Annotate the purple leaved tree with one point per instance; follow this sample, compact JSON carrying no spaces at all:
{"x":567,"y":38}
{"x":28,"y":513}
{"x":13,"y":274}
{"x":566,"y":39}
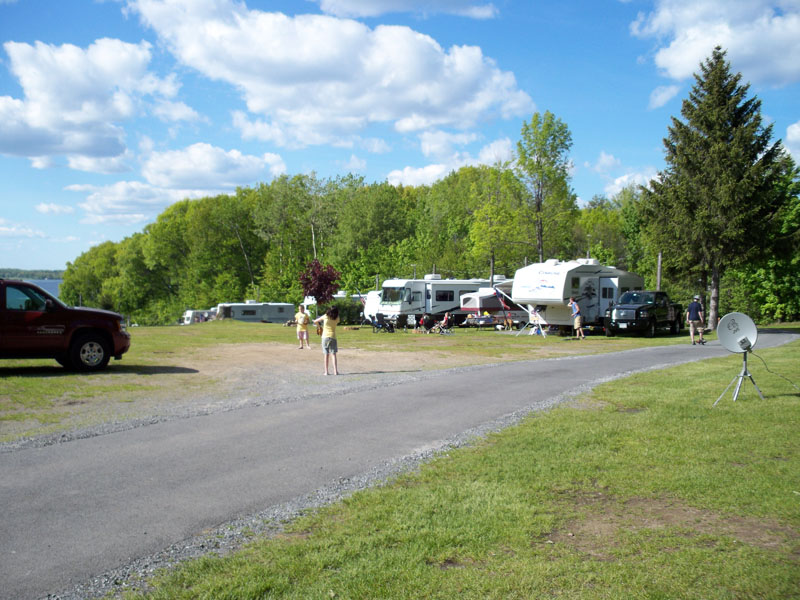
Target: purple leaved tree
{"x":320,"y":282}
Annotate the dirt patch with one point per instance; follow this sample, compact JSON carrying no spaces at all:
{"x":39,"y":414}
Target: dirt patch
{"x":605,"y":520}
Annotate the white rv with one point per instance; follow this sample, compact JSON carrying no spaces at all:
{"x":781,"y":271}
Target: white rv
{"x":433,"y":295}
{"x":259,"y":312}
{"x":372,"y":304}
{"x":545,"y":288}
{"x":489,"y":300}
{"x":198,"y":316}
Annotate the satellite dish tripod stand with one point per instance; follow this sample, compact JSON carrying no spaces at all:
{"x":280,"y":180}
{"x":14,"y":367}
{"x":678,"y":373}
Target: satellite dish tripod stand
{"x":744,"y":373}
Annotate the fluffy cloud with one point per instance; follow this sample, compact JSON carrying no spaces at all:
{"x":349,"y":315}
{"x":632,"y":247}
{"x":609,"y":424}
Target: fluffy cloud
{"x":316,"y":79}
{"x":642,"y":177}
{"x":793,"y":140}
{"x":127,"y":202}
{"x":15,"y":230}
{"x":193,"y":172}
{"x":491,"y":154}
{"x":605,"y":163}
{"x":374,"y":8}
{"x":74,"y":100}
{"x":762,"y":37}
{"x":54,"y":209}
{"x":663,"y":94}
{"x":204,"y":166}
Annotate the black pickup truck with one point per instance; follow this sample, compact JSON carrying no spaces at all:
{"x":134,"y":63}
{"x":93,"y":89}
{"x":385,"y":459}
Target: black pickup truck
{"x":643,"y":312}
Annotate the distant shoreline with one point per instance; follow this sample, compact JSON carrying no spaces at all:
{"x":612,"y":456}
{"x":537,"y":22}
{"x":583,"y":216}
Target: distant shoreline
{"x":31,"y":274}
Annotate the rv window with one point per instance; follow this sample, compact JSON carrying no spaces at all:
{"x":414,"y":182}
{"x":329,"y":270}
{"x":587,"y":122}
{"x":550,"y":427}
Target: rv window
{"x":280,"y":309}
{"x":248,"y":313}
{"x":444,"y":295}
{"x":392,"y":295}
{"x":576,"y":283}
{"x":608,"y":292}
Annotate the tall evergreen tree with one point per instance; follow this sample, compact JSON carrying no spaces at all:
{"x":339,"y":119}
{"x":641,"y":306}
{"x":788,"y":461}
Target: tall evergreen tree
{"x":715,"y":204}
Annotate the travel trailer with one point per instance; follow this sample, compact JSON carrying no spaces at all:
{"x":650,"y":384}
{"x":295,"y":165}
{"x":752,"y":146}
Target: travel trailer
{"x":401,"y":298}
{"x":489,"y":300}
{"x":372,"y":304}
{"x":259,"y":312}
{"x":198,"y":316}
{"x":545,"y":289}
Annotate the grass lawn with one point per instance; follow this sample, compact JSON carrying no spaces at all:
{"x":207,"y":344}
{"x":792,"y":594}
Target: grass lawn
{"x":638,"y":490}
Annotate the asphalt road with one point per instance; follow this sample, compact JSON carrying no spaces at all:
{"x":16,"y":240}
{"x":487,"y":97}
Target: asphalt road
{"x":75,"y":510}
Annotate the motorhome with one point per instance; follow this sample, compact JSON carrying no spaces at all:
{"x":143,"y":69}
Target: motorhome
{"x":401,"y":298}
{"x":545,"y":289}
{"x":259,"y":312}
{"x":372,"y":304}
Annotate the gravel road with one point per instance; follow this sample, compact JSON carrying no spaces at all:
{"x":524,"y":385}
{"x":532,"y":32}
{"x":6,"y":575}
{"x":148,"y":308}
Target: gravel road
{"x":93,"y":511}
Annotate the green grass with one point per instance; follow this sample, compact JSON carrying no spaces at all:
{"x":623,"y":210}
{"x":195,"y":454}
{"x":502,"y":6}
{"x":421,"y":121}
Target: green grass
{"x":641,"y":489}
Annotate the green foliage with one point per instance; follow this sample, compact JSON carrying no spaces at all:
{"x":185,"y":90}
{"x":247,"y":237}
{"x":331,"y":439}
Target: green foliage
{"x":725,"y":184}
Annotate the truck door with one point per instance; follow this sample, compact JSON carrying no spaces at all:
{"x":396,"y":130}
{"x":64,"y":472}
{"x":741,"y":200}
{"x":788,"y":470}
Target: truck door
{"x":27,"y":326}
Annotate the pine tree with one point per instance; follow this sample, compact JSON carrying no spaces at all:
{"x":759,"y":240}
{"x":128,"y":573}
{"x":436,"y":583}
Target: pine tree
{"x":714,"y":206}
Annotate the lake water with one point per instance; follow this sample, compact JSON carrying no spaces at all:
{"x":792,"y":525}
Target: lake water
{"x":48,"y":285}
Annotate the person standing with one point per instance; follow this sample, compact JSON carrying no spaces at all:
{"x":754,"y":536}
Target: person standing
{"x":694,"y":315}
{"x":302,"y":320}
{"x":577,"y":320}
{"x":329,"y":345}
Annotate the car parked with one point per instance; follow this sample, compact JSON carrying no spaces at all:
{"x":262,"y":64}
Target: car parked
{"x":34,"y":324}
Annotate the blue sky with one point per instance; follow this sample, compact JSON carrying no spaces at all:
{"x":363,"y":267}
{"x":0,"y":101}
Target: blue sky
{"x":112,"y":110}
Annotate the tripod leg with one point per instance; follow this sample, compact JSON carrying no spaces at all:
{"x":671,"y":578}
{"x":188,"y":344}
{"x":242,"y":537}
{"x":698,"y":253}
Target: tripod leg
{"x":738,"y":387}
{"x":754,"y":385}
{"x":725,"y":390}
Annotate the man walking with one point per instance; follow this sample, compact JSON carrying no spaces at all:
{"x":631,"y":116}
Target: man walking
{"x":694,"y":315}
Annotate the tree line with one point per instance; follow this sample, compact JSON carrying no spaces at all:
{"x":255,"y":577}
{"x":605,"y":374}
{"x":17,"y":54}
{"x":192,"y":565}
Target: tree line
{"x":724,"y":216}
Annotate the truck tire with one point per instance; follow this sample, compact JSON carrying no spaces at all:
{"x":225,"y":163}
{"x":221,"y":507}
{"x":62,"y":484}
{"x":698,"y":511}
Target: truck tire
{"x":89,"y":352}
{"x":609,"y":332}
{"x":674,"y":326}
{"x":651,"y":329}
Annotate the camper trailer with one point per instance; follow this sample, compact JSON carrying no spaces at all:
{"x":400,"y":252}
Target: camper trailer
{"x":500,"y":308}
{"x":545,"y":288}
{"x":401,"y":298}
{"x":198,"y":316}
{"x":259,"y":312}
{"x":372,"y":304}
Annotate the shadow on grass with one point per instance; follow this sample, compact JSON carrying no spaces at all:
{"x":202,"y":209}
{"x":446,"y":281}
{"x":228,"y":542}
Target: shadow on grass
{"x":59,"y":371}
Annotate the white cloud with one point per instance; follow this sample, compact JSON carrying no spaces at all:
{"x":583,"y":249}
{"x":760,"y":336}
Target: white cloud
{"x":204,"y":166}
{"x":54,"y":209}
{"x":762,"y":37}
{"x":374,"y":8}
{"x":662,"y":94}
{"x":355,"y":164}
{"x":316,"y":79}
{"x":792,"y":142}
{"x":642,"y":177}
{"x":74,"y":100}
{"x":605,"y":163}
{"x":490,"y":154}
{"x":15,"y":230}
{"x":440,"y":143}
{"x":128,"y":202}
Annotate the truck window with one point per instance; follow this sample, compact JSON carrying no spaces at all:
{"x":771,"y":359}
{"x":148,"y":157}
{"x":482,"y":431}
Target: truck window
{"x":18,"y":298}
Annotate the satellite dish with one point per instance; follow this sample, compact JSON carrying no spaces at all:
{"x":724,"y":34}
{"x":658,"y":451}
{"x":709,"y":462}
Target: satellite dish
{"x":737,"y":332}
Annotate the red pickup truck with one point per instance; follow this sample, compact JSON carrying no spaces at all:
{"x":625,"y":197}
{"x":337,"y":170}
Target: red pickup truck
{"x":34,"y":324}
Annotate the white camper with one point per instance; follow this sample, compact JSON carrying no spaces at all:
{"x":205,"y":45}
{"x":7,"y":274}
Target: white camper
{"x":259,"y":312}
{"x":372,"y":304}
{"x":401,"y":298}
{"x":198,"y":316}
{"x":489,"y":300}
{"x":545,"y":288}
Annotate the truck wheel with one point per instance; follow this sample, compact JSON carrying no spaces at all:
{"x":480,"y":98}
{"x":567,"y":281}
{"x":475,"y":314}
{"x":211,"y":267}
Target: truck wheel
{"x":609,"y":332}
{"x":89,"y":352}
{"x":651,"y":329}
{"x":674,"y":327}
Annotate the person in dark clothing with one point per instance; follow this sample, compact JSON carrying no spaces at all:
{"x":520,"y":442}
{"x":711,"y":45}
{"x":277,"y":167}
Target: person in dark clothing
{"x":694,"y":315}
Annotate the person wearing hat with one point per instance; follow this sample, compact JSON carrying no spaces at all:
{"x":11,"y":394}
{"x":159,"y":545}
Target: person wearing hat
{"x":694,"y":315}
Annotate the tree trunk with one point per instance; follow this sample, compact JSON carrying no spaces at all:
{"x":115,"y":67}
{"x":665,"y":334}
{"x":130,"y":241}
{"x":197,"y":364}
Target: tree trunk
{"x":713,"y":311}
